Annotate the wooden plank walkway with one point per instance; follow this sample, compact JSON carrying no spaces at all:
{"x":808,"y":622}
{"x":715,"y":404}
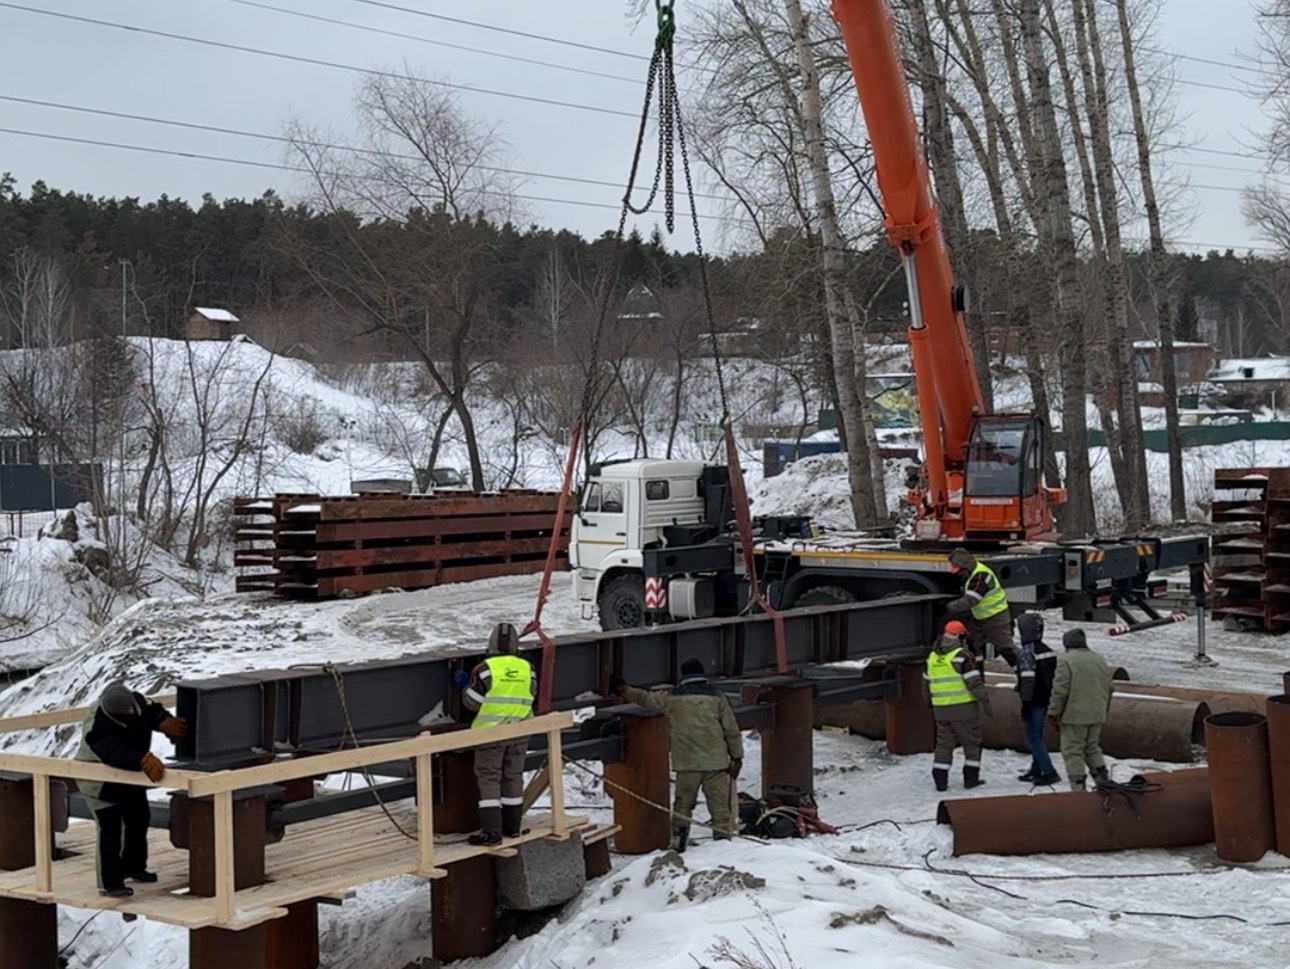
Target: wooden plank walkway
{"x":327,"y":858}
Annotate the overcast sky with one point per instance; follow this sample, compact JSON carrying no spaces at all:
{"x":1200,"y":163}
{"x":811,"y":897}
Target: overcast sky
{"x":104,"y":68}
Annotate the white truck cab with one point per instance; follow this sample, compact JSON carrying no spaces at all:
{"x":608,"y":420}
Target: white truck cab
{"x":625,"y":507}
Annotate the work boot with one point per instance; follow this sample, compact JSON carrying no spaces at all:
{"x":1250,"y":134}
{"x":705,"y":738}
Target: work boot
{"x":1101,"y":776}
{"x":972,"y":777}
{"x":485,"y":838}
{"x":1047,"y":779}
{"x":941,"y":778}
{"x":143,"y":876}
{"x":1028,"y":776}
{"x":512,"y":820}
{"x":121,"y":891}
{"x":680,"y":838}
{"x":1077,"y":783}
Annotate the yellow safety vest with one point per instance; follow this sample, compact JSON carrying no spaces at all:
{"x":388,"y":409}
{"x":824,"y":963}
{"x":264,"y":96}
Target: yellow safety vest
{"x":944,"y":682}
{"x":995,"y":601}
{"x":510,"y":692}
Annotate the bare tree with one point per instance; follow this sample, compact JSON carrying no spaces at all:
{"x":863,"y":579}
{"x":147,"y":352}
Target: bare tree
{"x":410,"y":241}
{"x":1161,"y":285}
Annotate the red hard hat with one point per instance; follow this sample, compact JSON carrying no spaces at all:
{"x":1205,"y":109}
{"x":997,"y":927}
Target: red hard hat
{"x":955,"y":628}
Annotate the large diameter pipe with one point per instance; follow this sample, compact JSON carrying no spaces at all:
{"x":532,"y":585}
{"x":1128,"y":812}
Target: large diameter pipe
{"x":1279,"y":761}
{"x":1236,"y":746}
{"x":1151,"y":727}
{"x":1218,"y":701}
{"x":1155,"y":728}
{"x":1175,"y":815}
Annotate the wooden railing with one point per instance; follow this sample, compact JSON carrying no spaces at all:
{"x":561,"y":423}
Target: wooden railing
{"x":221,"y":785}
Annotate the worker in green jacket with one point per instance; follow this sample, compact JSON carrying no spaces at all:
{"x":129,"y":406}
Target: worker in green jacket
{"x":1080,"y":702}
{"x":983,"y":607}
{"x":707,"y":748}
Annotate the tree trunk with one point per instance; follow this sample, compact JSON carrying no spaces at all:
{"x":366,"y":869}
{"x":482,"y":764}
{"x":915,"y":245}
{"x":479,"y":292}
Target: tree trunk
{"x":1048,"y":172}
{"x":1137,"y":511}
{"x":1160,"y":282}
{"x":848,"y":358}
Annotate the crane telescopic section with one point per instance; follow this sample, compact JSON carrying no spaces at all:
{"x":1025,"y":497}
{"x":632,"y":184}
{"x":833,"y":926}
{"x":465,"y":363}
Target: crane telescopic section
{"x":984,"y":472}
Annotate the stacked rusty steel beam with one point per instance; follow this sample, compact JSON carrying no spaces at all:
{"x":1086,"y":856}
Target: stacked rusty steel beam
{"x":311,"y":546}
{"x":1252,"y":549}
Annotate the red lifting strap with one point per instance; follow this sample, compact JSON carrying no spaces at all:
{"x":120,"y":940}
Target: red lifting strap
{"x":743,"y":517}
{"x":561,"y":512}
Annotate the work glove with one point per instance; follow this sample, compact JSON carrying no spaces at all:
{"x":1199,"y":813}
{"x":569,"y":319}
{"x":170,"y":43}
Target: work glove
{"x":617,"y":684}
{"x":460,"y":679}
{"x":152,"y":767}
{"x":736,"y":765}
{"x":174,"y":727}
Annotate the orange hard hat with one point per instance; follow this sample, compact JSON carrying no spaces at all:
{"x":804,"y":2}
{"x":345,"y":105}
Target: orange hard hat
{"x":955,"y":628}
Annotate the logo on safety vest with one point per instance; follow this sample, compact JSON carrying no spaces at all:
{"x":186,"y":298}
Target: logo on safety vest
{"x":655,"y":593}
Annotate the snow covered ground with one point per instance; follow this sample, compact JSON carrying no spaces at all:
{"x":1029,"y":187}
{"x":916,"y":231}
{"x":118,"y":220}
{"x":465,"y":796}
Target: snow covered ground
{"x":885,"y":890}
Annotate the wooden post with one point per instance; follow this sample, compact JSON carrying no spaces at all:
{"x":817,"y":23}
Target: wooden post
{"x":645,"y":773}
{"x":788,"y":748}
{"x":425,"y":814}
{"x":28,"y":930}
{"x":226,"y":853}
{"x":555,"y":768}
{"x":44,"y":836}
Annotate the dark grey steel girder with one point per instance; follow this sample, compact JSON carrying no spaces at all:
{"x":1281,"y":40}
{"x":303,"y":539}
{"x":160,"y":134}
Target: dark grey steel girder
{"x":232,"y":718}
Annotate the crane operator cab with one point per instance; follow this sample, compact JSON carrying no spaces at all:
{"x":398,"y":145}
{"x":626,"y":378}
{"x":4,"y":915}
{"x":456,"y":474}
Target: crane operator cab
{"x":1004,"y":494}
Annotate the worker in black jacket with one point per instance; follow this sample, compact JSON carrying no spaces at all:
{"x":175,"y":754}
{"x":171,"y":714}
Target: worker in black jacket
{"x":117,"y":732}
{"x":1035,"y":666}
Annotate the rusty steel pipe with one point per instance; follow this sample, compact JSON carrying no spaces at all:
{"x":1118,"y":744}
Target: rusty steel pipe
{"x":1240,"y":776}
{"x":1175,"y":816}
{"x":1279,"y":761}
{"x":1158,"y":728}
{"x":1285,"y":682}
{"x":1218,"y":701}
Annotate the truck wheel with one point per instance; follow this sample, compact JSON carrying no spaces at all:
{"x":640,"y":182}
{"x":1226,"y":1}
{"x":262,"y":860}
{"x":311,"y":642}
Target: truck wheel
{"x":824,"y":595}
{"x":622,"y":603}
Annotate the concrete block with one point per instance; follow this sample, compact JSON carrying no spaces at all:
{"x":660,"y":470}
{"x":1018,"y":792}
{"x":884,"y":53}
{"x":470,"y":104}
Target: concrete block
{"x":543,"y":874}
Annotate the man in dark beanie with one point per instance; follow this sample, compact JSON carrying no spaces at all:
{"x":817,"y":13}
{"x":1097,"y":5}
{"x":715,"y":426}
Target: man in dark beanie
{"x":118,"y":732}
{"x":707,"y":748}
{"x":1080,"y":701}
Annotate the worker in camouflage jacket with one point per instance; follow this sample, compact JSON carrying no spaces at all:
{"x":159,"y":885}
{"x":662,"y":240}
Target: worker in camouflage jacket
{"x":983,"y":607}
{"x":1080,"y":702}
{"x":707,"y":748}
{"x":955,"y":687}
{"x":117,"y":732}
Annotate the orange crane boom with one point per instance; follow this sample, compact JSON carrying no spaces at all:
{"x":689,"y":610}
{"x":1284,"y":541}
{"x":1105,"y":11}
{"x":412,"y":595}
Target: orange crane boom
{"x":984,"y":479}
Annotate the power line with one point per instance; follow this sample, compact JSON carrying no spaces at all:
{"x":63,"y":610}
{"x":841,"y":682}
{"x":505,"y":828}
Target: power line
{"x":318,"y":62}
{"x":436,"y":43}
{"x":353,"y":149}
{"x":502,"y":30}
{"x":277,"y":166}
{"x":281,"y":139}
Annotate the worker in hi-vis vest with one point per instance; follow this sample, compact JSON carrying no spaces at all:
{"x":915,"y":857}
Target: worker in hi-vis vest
{"x":955,"y":688}
{"x":983,"y":607}
{"x":501,"y":689}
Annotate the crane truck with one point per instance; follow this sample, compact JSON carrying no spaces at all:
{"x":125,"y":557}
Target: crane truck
{"x":651,"y":539}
